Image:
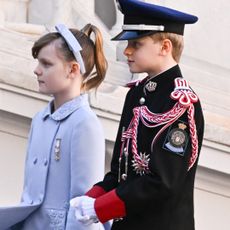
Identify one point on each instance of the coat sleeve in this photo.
(87, 162)
(87, 155)
(110, 180)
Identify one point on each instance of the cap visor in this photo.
(132, 34)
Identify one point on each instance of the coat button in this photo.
(35, 160)
(66, 205)
(142, 100)
(45, 162)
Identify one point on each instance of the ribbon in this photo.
(73, 44)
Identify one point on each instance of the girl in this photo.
(66, 145)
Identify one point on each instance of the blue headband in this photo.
(73, 44)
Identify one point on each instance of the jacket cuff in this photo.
(95, 192)
(109, 206)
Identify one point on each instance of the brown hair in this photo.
(92, 53)
(177, 43)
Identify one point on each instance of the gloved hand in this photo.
(84, 209)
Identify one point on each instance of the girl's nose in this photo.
(37, 71)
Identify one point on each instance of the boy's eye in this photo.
(135, 44)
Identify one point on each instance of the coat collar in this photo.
(66, 109)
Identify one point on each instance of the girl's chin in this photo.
(43, 91)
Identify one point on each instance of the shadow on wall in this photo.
(107, 15)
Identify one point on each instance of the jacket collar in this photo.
(170, 74)
(66, 109)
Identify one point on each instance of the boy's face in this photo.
(52, 71)
(144, 55)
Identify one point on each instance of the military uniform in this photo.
(151, 181)
(162, 198)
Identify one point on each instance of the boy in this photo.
(151, 182)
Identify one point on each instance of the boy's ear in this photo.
(166, 46)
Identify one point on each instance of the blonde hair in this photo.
(92, 53)
(177, 43)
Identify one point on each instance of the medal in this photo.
(141, 165)
(57, 151)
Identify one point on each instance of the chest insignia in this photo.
(177, 136)
(140, 165)
(177, 139)
(151, 86)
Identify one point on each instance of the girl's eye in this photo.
(46, 64)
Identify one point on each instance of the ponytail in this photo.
(95, 78)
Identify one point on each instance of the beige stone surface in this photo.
(14, 10)
(17, 64)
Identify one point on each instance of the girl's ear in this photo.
(166, 46)
(74, 69)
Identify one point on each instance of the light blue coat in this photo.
(65, 158)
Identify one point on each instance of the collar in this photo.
(170, 74)
(164, 79)
(66, 109)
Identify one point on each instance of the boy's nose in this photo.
(127, 51)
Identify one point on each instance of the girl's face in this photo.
(52, 71)
(143, 55)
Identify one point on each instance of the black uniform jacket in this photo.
(163, 198)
